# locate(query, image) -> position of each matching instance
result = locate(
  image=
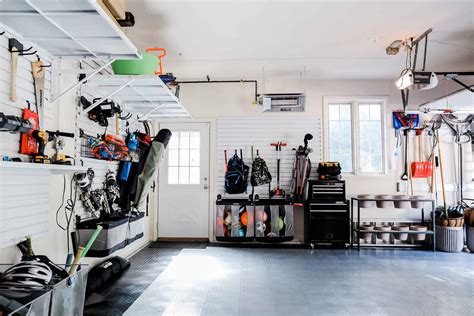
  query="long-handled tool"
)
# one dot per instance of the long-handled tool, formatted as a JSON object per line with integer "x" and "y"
{"x": 420, "y": 168}
{"x": 14, "y": 47}
{"x": 442, "y": 175}
{"x": 404, "y": 176}
{"x": 278, "y": 191}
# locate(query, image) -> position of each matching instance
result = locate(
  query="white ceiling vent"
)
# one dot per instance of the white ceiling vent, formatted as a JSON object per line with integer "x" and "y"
{"x": 282, "y": 102}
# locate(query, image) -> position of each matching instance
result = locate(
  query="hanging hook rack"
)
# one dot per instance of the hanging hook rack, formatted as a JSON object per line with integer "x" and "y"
{"x": 24, "y": 52}
{"x": 42, "y": 66}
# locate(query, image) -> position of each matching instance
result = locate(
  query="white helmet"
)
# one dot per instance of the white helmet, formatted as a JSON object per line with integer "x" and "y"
{"x": 26, "y": 276}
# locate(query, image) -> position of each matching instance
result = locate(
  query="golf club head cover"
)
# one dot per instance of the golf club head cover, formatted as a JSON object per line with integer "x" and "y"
{"x": 163, "y": 136}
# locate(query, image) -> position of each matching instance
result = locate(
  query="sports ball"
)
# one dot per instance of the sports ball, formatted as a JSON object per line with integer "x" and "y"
{"x": 262, "y": 216}
{"x": 244, "y": 218}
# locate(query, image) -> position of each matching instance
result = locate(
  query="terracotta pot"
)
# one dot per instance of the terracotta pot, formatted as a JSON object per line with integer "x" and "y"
{"x": 450, "y": 222}
{"x": 382, "y": 203}
{"x": 366, "y": 236}
{"x": 384, "y": 236}
{"x": 402, "y": 204}
{"x": 402, "y": 237}
{"x": 415, "y": 203}
{"x": 418, "y": 228}
{"x": 366, "y": 204}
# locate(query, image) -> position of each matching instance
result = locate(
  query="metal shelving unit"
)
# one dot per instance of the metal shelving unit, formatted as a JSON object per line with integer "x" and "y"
{"x": 144, "y": 95}
{"x": 411, "y": 232}
{"x": 76, "y": 30}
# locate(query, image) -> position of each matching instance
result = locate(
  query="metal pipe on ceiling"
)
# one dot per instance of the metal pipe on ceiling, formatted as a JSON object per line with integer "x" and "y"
{"x": 255, "y": 82}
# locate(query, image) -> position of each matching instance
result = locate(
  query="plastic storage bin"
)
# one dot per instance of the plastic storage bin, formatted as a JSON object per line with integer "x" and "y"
{"x": 115, "y": 235}
{"x": 234, "y": 220}
{"x": 273, "y": 220}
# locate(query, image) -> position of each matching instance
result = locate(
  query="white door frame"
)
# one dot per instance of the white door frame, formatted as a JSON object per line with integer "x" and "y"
{"x": 212, "y": 172}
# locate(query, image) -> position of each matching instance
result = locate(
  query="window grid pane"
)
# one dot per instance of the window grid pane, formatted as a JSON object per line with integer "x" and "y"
{"x": 184, "y": 158}
{"x": 370, "y": 137}
{"x": 340, "y": 135}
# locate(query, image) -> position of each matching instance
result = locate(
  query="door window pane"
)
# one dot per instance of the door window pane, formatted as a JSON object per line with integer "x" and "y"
{"x": 194, "y": 140}
{"x": 340, "y": 135}
{"x": 194, "y": 175}
{"x": 183, "y": 162}
{"x": 173, "y": 159}
{"x": 173, "y": 175}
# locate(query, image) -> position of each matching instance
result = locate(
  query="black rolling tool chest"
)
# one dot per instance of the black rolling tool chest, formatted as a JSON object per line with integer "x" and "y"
{"x": 327, "y": 213}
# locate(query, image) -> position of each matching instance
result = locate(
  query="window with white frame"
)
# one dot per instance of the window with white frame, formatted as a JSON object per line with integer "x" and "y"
{"x": 183, "y": 157}
{"x": 354, "y": 134}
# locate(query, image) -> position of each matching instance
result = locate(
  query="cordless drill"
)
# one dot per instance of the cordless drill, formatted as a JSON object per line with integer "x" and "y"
{"x": 43, "y": 137}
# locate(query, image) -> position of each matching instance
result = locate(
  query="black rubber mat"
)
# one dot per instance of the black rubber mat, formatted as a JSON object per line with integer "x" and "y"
{"x": 145, "y": 267}
{"x": 179, "y": 245}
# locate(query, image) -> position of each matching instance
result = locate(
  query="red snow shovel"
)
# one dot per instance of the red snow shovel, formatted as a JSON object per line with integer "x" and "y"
{"x": 421, "y": 169}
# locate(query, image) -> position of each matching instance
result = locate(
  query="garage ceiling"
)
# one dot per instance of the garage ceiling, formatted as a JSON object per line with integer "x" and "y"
{"x": 329, "y": 39}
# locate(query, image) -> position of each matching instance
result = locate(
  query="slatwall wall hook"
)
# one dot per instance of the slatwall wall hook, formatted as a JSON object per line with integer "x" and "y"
{"x": 2, "y": 33}
{"x": 42, "y": 66}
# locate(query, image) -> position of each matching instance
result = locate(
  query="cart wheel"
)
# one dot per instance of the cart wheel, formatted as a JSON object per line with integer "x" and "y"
{"x": 257, "y": 197}
{"x": 250, "y": 197}
{"x": 219, "y": 197}
{"x": 311, "y": 245}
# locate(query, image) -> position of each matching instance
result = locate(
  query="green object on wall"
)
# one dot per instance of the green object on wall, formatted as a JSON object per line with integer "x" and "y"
{"x": 145, "y": 66}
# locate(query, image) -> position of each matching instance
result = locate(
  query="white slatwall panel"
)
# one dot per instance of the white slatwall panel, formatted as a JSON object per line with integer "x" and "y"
{"x": 235, "y": 133}
{"x": 24, "y": 198}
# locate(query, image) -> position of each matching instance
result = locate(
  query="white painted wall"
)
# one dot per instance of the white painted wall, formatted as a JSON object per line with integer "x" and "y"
{"x": 207, "y": 102}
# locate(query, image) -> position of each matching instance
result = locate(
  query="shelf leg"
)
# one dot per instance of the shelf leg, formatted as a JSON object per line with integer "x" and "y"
{"x": 358, "y": 226}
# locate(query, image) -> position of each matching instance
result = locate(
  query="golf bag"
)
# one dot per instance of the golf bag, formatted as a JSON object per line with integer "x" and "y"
{"x": 301, "y": 172}
{"x": 236, "y": 177}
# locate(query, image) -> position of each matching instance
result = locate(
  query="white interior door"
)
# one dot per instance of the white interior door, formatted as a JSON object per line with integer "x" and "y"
{"x": 184, "y": 182}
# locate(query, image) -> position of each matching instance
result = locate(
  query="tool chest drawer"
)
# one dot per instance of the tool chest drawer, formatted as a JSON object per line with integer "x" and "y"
{"x": 327, "y": 190}
{"x": 327, "y": 222}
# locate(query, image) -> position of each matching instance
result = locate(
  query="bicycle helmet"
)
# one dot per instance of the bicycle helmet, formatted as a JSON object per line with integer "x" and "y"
{"x": 26, "y": 275}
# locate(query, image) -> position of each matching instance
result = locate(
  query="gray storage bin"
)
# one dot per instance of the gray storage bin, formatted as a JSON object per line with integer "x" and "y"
{"x": 470, "y": 238}
{"x": 449, "y": 239}
{"x": 136, "y": 228}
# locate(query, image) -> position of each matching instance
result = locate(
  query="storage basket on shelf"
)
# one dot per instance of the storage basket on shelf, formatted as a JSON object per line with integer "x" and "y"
{"x": 234, "y": 220}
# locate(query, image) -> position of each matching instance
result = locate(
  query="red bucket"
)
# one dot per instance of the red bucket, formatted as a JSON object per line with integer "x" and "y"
{"x": 422, "y": 169}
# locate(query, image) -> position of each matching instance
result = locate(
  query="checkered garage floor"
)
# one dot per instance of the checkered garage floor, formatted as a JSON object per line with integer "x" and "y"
{"x": 237, "y": 281}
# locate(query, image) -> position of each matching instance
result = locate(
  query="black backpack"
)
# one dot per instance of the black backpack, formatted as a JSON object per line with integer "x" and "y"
{"x": 260, "y": 174}
{"x": 236, "y": 177}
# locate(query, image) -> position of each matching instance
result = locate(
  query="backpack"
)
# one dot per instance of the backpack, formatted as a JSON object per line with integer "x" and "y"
{"x": 260, "y": 174}
{"x": 236, "y": 177}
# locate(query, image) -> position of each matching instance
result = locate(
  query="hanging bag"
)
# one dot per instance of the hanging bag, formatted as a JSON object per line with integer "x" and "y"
{"x": 260, "y": 174}
{"x": 236, "y": 177}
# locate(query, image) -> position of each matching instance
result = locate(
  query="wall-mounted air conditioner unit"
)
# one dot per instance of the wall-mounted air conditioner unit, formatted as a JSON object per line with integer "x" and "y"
{"x": 282, "y": 102}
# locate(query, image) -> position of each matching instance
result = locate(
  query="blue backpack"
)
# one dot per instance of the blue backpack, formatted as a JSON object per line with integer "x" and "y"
{"x": 236, "y": 177}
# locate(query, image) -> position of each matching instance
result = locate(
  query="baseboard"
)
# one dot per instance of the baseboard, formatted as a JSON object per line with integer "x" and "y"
{"x": 183, "y": 239}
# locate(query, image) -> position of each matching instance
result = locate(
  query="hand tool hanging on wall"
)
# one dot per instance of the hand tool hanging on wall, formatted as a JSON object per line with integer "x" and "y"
{"x": 404, "y": 176}
{"x": 15, "y": 48}
{"x": 37, "y": 70}
{"x": 278, "y": 191}
{"x": 28, "y": 144}
{"x": 14, "y": 124}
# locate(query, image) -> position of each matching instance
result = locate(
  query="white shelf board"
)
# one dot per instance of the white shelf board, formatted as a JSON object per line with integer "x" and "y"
{"x": 70, "y": 29}
{"x": 138, "y": 94}
{"x": 32, "y": 167}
